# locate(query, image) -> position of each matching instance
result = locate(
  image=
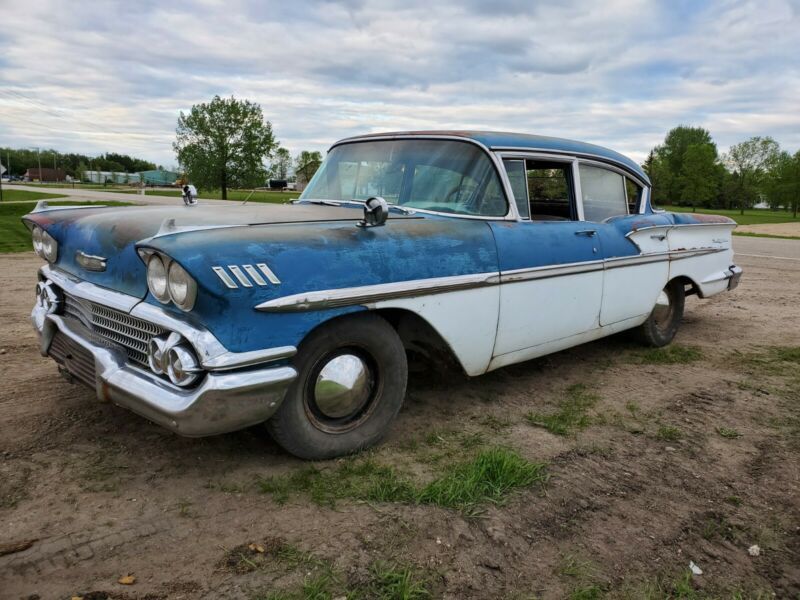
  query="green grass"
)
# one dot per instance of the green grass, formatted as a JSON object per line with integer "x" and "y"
{"x": 25, "y": 195}
{"x": 751, "y": 216}
{"x": 571, "y": 413}
{"x": 234, "y": 195}
{"x": 766, "y": 235}
{"x": 14, "y": 236}
{"x": 674, "y": 354}
{"x": 728, "y": 433}
{"x": 771, "y": 360}
{"x": 668, "y": 433}
{"x": 486, "y": 479}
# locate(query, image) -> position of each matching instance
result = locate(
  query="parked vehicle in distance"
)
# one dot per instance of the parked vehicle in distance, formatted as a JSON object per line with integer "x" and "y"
{"x": 489, "y": 248}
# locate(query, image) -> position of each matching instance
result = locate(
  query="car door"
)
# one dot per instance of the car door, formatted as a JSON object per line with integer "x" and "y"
{"x": 636, "y": 261}
{"x": 550, "y": 262}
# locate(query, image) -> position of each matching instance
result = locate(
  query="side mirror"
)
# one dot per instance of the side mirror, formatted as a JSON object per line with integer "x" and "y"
{"x": 376, "y": 211}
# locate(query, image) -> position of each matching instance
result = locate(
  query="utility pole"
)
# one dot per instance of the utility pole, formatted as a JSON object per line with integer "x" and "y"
{"x": 39, "y": 156}
{"x": 55, "y": 174}
{"x": 8, "y": 163}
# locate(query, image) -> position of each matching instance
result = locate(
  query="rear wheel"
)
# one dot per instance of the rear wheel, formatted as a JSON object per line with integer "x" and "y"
{"x": 351, "y": 384}
{"x": 663, "y": 323}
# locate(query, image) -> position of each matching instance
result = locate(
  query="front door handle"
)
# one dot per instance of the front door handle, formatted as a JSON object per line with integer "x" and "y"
{"x": 586, "y": 232}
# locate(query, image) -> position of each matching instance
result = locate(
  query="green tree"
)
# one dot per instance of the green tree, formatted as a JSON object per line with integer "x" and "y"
{"x": 782, "y": 182}
{"x": 665, "y": 164}
{"x": 224, "y": 143}
{"x": 281, "y": 163}
{"x": 749, "y": 161}
{"x": 306, "y": 164}
{"x": 699, "y": 175}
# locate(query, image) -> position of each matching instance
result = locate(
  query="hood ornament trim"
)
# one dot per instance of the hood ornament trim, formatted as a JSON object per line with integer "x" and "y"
{"x": 90, "y": 262}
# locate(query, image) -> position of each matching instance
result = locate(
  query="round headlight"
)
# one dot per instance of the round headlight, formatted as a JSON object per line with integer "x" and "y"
{"x": 182, "y": 288}
{"x": 157, "y": 278}
{"x": 49, "y": 247}
{"x": 182, "y": 366}
{"x": 37, "y": 239}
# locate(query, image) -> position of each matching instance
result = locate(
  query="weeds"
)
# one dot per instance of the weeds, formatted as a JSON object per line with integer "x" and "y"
{"x": 728, "y": 433}
{"x": 674, "y": 354}
{"x": 669, "y": 433}
{"x": 571, "y": 412}
{"x": 487, "y": 478}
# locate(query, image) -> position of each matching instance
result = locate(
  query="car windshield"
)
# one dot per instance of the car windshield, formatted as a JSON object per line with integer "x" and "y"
{"x": 438, "y": 175}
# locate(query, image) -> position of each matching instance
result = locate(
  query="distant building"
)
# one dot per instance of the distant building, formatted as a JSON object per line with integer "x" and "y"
{"x": 110, "y": 177}
{"x": 159, "y": 177}
{"x": 45, "y": 175}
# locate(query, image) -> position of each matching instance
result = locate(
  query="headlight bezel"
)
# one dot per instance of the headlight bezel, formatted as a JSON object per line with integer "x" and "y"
{"x": 153, "y": 261}
{"x": 178, "y": 277}
{"x": 49, "y": 247}
{"x": 175, "y": 277}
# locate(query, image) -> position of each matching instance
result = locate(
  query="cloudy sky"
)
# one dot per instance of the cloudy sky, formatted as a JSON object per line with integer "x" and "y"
{"x": 100, "y": 76}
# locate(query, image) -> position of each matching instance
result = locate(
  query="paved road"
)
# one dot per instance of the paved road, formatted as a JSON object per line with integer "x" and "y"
{"x": 102, "y": 195}
{"x": 783, "y": 251}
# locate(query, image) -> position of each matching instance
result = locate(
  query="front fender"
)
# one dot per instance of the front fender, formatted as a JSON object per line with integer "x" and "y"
{"x": 310, "y": 257}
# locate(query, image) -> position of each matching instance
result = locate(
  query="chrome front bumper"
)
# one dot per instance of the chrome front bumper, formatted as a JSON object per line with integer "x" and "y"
{"x": 235, "y": 392}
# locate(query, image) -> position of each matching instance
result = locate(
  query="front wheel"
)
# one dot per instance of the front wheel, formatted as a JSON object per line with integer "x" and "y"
{"x": 351, "y": 383}
{"x": 663, "y": 323}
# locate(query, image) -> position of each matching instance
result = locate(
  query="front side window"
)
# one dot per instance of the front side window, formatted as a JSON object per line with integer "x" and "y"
{"x": 439, "y": 175}
{"x": 603, "y": 193}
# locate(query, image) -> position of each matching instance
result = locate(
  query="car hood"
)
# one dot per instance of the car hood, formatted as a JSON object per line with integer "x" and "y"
{"x": 114, "y": 232}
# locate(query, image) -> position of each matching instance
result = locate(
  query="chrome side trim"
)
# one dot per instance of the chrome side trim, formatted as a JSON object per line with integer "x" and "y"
{"x": 226, "y": 279}
{"x": 669, "y": 227}
{"x": 548, "y": 271}
{"x": 323, "y": 299}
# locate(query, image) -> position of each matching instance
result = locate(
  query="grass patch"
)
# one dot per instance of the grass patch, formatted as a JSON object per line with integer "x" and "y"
{"x": 489, "y": 478}
{"x": 766, "y": 235}
{"x": 571, "y": 413}
{"x": 14, "y": 236}
{"x": 392, "y": 581}
{"x": 25, "y": 195}
{"x": 771, "y": 360}
{"x": 674, "y": 354}
{"x": 728, "y": 433}
{"x": 669, "y": 433}
{"x": 751, "y": 216}
{"x": 233, "y": 195}
{"x": 486, "y": 479}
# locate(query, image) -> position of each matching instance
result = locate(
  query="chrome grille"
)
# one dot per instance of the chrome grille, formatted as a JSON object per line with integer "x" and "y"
{"x": 74, "y": 358}
{"x": 131, "y": 333}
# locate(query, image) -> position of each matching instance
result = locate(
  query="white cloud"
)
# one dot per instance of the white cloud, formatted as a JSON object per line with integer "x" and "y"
{"x": 114, "y": 75}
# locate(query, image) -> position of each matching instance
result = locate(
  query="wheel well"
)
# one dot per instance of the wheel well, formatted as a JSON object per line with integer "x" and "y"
{"x": 689, "y": 286}
{"x": 422, "y": 342}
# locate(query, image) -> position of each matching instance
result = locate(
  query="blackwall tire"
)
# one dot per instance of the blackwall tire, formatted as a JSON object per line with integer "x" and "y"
{"x": 663, "y": 323}
{"x": 352, "y": 375}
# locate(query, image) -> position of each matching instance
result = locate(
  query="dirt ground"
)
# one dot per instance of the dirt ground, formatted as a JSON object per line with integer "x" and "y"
{"x": 782, "y": 229}
{"x": 692, "y": 456}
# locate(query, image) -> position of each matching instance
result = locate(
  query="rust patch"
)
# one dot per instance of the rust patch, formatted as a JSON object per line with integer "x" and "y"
{"x": 703, "y": 218}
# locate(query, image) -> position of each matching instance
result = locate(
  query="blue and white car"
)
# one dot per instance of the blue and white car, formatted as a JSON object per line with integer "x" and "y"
{"x": 488, "y": 248}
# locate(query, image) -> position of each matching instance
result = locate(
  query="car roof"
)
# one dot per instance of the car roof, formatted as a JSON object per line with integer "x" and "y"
{"x": 500, "y": 140}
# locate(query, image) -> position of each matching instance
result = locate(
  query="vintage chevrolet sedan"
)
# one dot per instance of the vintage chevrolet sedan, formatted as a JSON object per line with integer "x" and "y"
{"x": 485, "y": 248}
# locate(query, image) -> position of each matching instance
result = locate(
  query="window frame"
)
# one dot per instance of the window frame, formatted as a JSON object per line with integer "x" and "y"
{"x": 574, "y": 185}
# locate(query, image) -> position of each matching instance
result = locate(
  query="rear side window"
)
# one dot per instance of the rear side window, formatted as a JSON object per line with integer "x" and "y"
{"x": 634, "y": 193}
{"x": 603, "y": 193}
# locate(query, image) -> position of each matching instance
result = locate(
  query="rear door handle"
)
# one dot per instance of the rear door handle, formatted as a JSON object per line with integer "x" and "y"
{"x": 586, "y": 232}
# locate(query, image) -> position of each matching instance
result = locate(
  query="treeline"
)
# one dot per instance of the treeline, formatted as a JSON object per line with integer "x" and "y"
{"x": 72, "y": 164}
{"x": 687, "y": 170}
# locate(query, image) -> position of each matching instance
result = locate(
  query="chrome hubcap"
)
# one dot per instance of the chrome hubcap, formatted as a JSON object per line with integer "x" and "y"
{"x": 343, "y": 387}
